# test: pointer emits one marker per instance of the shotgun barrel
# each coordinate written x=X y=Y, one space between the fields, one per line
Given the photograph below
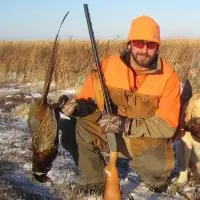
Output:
x=112 y=189
x=110 y=136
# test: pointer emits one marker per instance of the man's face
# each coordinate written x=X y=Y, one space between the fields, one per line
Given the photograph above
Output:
x=144 y=52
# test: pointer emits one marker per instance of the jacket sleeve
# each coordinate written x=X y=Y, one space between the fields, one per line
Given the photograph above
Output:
x=91 y=97
x=88 y=90
x=85 y=99
x=165 y=121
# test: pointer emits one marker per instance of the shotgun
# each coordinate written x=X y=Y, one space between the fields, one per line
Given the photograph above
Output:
x=112 y=188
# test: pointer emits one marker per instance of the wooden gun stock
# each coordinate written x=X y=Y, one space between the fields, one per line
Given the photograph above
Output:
x=112 y=188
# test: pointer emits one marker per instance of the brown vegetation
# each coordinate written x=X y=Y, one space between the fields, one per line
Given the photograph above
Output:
x=26 y=61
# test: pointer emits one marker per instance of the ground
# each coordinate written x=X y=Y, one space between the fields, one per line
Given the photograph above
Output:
x=16 y=181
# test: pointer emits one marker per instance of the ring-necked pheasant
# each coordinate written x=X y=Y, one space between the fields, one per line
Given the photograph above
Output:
x=43 y=123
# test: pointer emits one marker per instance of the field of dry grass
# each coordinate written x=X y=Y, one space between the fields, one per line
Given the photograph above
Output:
x=26 y=61
x=22 y=62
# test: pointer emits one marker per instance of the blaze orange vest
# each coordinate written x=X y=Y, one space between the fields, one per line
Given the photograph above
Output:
x=118 y=75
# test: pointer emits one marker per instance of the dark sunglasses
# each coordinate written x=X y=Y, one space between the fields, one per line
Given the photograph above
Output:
x=141 y=43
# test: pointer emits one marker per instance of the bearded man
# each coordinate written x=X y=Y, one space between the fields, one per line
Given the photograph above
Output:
x=145 y=95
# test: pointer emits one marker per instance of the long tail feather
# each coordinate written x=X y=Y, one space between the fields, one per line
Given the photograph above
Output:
x=52 y=63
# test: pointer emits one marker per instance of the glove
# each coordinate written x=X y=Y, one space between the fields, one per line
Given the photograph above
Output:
x=67 y=106
x=114 y=123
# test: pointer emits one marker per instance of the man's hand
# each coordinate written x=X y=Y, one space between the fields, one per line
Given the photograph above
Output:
x=67 y=106
x=114 y=123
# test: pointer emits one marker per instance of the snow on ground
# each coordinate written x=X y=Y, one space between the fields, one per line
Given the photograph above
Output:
x=16 y=181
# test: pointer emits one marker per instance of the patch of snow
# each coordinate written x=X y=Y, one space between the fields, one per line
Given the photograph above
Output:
x=36 y=95
x=68 y=91
x=8 y=102
x=8 y=96
x=28 y=97
x=27 y=166
x=8 y=90
x=28 y=186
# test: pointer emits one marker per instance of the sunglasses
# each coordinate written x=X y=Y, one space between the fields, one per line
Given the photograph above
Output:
x=141 y=43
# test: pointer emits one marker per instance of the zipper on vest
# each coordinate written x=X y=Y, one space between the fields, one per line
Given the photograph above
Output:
x=134 y=98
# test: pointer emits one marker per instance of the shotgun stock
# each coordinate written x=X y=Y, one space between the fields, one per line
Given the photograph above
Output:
x=112 y=189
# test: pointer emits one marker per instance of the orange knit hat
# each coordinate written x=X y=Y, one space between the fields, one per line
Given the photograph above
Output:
x=144 y=28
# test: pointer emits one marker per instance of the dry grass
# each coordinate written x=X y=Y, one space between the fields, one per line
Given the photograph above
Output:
x=182 y=54
x=26 y=61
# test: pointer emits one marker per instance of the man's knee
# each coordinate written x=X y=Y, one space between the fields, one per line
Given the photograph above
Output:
x=148 y=163
x=83 y=136
x=81 y=128
x=88 y=130
x=90 y=161
x=151 y=167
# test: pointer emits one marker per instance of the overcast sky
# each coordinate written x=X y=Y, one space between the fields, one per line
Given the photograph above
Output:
x=39 y=19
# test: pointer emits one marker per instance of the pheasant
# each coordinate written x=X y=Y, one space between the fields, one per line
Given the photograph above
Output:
x=43 y=119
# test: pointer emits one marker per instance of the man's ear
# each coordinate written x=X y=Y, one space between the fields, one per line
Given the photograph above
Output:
x=129 y=45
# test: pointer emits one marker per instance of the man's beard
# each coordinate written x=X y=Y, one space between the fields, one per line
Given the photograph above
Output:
x=146 y=61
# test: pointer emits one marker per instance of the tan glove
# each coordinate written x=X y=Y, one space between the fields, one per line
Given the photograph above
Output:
x=67 y=106
x=114 y=123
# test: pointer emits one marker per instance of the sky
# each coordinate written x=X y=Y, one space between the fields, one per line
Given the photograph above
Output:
x=40 y=19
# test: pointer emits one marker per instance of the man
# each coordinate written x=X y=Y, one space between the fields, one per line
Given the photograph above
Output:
x=145 y=97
